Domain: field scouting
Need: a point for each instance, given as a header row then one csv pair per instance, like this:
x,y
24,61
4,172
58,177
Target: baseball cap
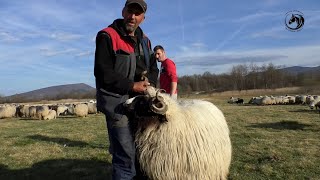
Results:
x,y
141,3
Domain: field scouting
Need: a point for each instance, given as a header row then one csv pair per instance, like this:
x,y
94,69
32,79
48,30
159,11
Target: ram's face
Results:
x,y
146,111
140,106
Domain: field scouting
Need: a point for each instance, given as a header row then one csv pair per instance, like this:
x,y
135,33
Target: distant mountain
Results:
x,y
295,70
54,92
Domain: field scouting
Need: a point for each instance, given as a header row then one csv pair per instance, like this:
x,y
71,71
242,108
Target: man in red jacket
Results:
x,y
168,72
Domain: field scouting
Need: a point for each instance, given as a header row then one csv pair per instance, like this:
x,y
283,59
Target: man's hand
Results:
x,y
140,86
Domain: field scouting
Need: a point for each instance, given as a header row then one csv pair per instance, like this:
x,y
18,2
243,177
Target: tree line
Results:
x,y
246,77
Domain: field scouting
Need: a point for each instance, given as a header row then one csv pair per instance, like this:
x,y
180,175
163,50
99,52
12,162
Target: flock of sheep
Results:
x,y
47,111
313,101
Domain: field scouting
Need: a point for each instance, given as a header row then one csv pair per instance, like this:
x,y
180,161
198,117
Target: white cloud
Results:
x,y
84,54
64,36
257,16
52,52
221,62
7,37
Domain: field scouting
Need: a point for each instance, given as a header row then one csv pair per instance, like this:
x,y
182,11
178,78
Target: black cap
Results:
x,y
141,3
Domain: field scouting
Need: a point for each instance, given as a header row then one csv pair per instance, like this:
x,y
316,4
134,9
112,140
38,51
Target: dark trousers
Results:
x,y
122,149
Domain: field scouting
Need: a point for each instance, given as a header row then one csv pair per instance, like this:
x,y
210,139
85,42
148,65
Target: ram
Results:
x,y
186,139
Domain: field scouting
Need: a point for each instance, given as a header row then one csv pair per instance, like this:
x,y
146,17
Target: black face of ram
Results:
x,y
141,115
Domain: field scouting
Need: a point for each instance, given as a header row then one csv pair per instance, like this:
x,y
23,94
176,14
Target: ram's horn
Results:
x,y
160,98
157,104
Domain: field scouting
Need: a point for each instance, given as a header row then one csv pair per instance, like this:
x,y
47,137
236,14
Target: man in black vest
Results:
x,y
123,55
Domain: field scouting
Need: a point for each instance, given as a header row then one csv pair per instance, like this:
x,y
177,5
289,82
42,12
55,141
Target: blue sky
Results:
x,y
47,43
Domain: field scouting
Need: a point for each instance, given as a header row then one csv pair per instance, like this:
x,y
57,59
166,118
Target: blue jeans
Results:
x,y
122,145
122,149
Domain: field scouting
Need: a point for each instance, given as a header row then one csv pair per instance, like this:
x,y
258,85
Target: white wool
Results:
x,y
7,111
51,115
81,110
193,144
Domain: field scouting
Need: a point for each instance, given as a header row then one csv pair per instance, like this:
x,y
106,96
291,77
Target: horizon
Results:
x,y
50,43
94,86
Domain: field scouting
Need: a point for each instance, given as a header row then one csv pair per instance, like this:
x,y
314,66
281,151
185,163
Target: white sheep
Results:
x,y
314,102
51,115
61,109
185,140
309,98
92,108
233,100
81,110
7,111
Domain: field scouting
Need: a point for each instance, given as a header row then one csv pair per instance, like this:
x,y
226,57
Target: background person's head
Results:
x,y
133,14
159,53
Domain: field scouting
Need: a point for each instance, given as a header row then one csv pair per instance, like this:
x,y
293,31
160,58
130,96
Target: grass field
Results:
x,y
269,142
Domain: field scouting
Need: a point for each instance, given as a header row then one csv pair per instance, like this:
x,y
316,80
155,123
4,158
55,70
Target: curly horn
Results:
x,y
157,104
157,94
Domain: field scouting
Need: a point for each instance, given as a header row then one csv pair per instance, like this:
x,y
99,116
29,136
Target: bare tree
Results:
x,y
238,75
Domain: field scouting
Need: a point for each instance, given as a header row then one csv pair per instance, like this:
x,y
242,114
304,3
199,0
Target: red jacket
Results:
x,y
168,74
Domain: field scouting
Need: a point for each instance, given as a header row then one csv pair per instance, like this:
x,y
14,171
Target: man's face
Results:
x,y
133,16
160,55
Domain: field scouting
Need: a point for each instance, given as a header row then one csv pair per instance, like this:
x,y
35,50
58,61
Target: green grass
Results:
x,y
65,148
269,142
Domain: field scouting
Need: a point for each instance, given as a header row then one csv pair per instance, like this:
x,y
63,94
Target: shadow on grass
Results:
x,y
283,125
304,111
28,119
60,169
63,141
57,119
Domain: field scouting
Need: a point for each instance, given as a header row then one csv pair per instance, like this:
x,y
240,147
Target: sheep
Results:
x,y
240,101
51,115
42,111
33,111
266,100
301,99
92,108
19,111
61,109
314,102
309,98
233,100
92,101
278,100
70,110
185,139
7,111
317,105
292,99
23,111
256,100
81,110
